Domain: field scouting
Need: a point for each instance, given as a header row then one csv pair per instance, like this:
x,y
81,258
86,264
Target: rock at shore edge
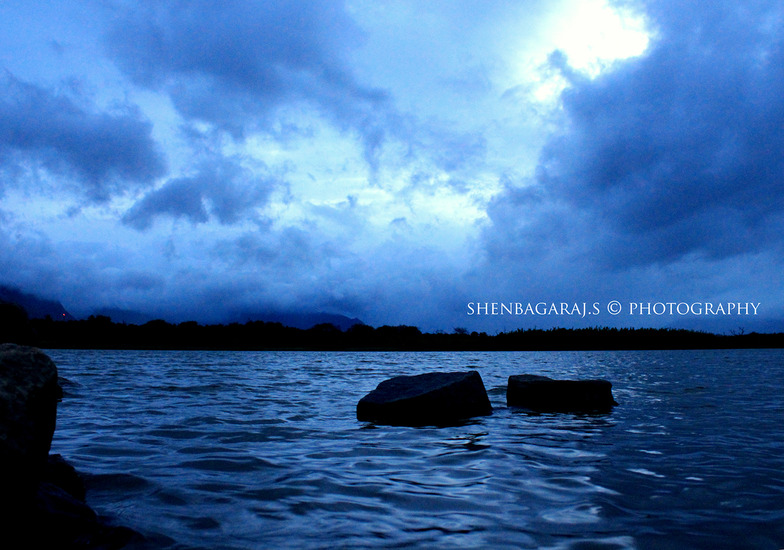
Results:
x,y
29,392
43,496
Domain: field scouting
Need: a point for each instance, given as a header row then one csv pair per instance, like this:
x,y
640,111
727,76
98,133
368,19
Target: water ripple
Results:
x,y
241,450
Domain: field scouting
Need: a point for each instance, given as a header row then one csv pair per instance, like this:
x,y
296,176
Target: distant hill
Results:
x,y
127,316
293,320
302,320
37,308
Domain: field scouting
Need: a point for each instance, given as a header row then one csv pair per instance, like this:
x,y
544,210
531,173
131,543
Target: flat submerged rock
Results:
x,y
436,398
543,394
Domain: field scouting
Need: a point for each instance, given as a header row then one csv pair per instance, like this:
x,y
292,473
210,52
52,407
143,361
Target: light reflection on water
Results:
x,y
240,450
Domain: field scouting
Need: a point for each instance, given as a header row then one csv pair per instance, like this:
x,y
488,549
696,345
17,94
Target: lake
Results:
x,y
247,450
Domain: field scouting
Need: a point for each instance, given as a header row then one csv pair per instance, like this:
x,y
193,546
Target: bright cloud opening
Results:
x,y
593,35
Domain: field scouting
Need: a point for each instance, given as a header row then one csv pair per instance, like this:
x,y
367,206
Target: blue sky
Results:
x,y
395,161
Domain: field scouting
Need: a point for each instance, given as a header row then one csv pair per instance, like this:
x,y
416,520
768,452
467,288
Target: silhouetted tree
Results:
x,y
15,325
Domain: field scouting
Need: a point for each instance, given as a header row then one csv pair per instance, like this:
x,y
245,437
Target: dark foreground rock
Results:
x,y
42,498
29,392
543,394
437,398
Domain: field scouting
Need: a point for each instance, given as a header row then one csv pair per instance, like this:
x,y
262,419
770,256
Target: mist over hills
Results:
x,y
35,306
39,308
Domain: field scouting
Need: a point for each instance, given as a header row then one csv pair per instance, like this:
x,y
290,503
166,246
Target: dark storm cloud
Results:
x,y
221,189
99,151
673,154
233,63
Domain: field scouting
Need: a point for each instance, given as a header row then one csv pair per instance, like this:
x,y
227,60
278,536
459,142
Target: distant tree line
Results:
x,y
100,332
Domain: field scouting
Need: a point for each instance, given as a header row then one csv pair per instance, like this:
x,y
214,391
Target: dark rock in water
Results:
x,y
58,472
543,394
437,398
42,498
29,392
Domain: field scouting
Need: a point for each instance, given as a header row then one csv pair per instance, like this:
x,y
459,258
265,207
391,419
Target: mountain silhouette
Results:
x,y
36,307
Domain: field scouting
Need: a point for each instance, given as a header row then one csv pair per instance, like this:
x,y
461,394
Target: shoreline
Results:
x,y
102,333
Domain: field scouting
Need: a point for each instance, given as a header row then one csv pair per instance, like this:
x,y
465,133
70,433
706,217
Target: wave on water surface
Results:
x,y
245,450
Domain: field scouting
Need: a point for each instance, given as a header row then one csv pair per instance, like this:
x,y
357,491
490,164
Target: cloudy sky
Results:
x,y
395,161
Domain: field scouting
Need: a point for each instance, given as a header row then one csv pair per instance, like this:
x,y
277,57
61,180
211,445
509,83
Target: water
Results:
x,y
247,450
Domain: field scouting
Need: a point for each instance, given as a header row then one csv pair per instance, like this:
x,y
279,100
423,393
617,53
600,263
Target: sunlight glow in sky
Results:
x,y
593,35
